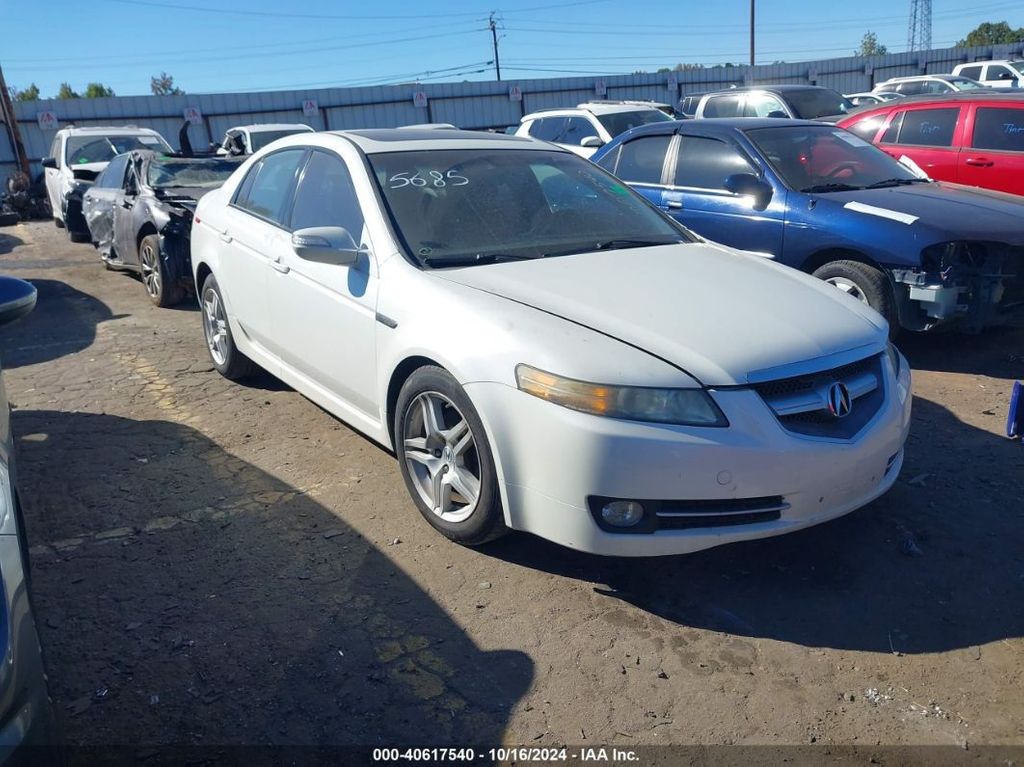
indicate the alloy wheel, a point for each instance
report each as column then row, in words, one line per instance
column 441, row 455
column 148, row 261
column 849, row 287
column 215, row 326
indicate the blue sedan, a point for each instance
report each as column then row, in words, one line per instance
column 822, row 200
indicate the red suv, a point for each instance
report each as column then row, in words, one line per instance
column 966, row 138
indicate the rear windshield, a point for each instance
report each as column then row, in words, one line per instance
column 818, row 102
column 620, row 122
column 201, row 173
column 82, row 150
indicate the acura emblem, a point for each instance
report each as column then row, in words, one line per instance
column 839, row 404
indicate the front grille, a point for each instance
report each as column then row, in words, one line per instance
column 800, row 403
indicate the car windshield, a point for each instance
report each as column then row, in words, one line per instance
column 465, row 206
column 167, row 173
column 82, row 150
column 260, row 139
column 965, row 83
column 620, row 122
column 818, row 102
column 810, row 158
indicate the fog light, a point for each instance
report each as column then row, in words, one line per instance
column 622, row 513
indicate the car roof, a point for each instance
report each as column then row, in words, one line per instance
column 127, row 130
column 264, row 127
column 380, row 140
column 973, row 96
column 595, row 108
column 781, row 88
column 714, row 126
column 911, row 78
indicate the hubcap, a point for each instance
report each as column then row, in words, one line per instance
column 441, row 456
column 215, row 326
column 150, row 270
column 848, row 286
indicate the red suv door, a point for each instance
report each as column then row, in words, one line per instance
column 993, row 147
column 928, row 135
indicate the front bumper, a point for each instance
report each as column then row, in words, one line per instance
column 551, row 460
column 74, row 218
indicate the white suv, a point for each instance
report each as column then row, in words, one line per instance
column 246, row 139
column 994, row 74
column 77, row 157
column 589, row 126
column 927, row 85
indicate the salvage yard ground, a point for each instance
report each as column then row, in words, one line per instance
column 216, row 563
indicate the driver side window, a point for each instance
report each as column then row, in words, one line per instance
column 267, row 186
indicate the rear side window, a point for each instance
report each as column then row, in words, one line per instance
column 929, row 127
column 867, row 128
column 705, row 163
column 893, row 131
column 547, row 128
column 267, row 186
column 912, row 88
column 641, row 160
column 723, row 106
column 973, row 72
column 999, row 129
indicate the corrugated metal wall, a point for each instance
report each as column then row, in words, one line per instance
column 467, row 105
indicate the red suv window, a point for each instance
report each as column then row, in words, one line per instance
column 999, row 129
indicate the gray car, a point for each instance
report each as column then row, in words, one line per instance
column 26, row 718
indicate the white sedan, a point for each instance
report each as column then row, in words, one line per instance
column 543, row 350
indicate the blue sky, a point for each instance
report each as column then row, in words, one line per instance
column 266, row 44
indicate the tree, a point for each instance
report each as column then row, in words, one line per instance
column 31, row 93
column 163, row 85
column 66, row 92
column 989, row 33
column 680, row 68
column 97, row 91
column 869, row 46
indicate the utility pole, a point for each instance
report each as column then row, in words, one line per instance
column 751, row 33
column 7, row 112
column 494, row 39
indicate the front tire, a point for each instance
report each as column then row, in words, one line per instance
column 226, row 357
column 445, row 458
column 865, row 283
column 154, row 274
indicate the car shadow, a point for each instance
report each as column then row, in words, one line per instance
column 186, row 596
column 934, row 565
column 9, row 242
column 68, row 325
column 997, row 352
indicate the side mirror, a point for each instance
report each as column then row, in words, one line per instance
column 591, row 141
column 747, row 184
column 17, row 298
column 326, row 244
column 50, row 162
column 1006, row 76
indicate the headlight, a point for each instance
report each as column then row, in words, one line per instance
column 894, row 358
column 689, row 407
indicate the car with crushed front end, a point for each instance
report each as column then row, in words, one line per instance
column 139, row 214
column 824, row 201
column 543, row 349
column 77, row 156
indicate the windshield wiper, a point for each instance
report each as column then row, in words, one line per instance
column 479, row 258
column 831, row 187
column 631, row 243
column 896, row 182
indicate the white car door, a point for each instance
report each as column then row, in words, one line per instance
column 325, row 312
column 52, row 176
column 251, row 231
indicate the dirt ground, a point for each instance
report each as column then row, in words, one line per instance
column 216, row 563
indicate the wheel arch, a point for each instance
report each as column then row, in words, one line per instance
column 826, row 255
column 399, row 376
column 144, row 231
column 203, row 271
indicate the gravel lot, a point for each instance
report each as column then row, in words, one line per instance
column 217, row 563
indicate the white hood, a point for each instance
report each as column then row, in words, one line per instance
column 717, row 314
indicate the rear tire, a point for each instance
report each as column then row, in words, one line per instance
column 226, row 357
column 445, row 458
column 865, row 283
column 58, row 223
column 154, row 274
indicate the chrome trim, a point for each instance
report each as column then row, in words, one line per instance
column 816, row 365
column 712, row 513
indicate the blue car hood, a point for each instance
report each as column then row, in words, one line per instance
column 948, row 211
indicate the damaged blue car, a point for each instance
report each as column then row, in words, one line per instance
column 820, row 199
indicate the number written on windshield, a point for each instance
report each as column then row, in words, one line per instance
column 434, row 178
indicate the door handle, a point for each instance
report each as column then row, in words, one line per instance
column 980, row 162
column 282, row 268
column 126, row 204
column 224, row 236
column 674, row 204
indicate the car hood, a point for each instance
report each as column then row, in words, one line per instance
column 952, row 211
column 724, row 317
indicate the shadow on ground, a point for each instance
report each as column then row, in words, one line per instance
column 997, row 352
column 219, row 605
column 929, row 567
column 63, row 322
column 9, row 242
